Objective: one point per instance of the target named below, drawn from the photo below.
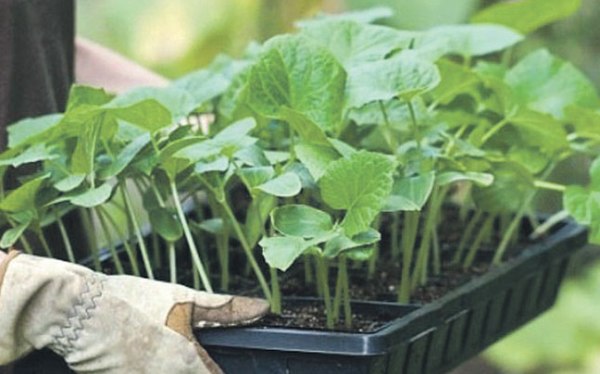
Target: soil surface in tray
(383, 285)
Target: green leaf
(125, 157)
(23, 198)
(362, 16)
(410, 193)
(70, 182)
(255, 176)
(301, 220)
(306, 129)
(586, 121)
(316, 157)
(456, 79)
(212, 225)
(10, 236)
(527, 15)
(360, 254)
(481, 179)
(166, 223)
(342, 243)
(512, 184)
(547, 84)
(231, 139)
(469, 40)
(541, 130)
(176, 100)
(297, 74)
(582, 204)
(203, 85)
(149, 115)
(360, 185)
(286, 185)
(93, 197)
(81, 95)
(354, 43)
(21, 132)
(35, 153)
(404, 75)
(220, 163)
(280, 252)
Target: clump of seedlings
(338, 138)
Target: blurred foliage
(177, 36)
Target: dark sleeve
(36, 58)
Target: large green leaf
(456, 79)
(231, 139)
(80, 95)
(176, 100)
(354, 43)
(149, 114)
(203, 85)
(360, 185)
(342, 243)
(255, 176)
(301, 220)
(285, 185)
(481, 179)
(125, 157)
(404, 75)
(527, 15)
(166, 223)
(316, 157)
(541, 130)
(468, 40)
(24, 197)
(298, 74)
(93, 197)
(513, 183)
(35, 153)
(10, 236)
(547, 84)
(410, 193)
(281, 251)
(22, 131)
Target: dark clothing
(36, 58)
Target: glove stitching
(81, 311)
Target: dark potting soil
(382, 286)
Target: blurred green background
(174, 37)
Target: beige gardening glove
(109, 324)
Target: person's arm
(96, 65)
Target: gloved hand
(109, 324)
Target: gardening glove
(109, 324)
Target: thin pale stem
(323, 274)
(65, 237)
(275, 292)
(130, 253)
(466, 236)
(479, 239)
(172, 261)
(110, 243)
(138, 232)
(190, 240)
(409, 236)
(548, 224)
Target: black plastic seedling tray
(433, 338)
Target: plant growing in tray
(342, 149)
